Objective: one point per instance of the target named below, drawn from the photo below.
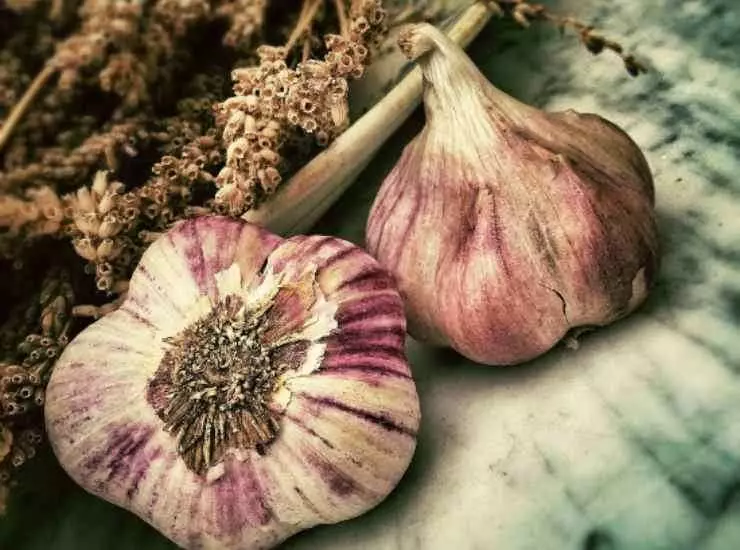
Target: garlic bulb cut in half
(248, 388)
(507, 227)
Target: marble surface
(632, 441)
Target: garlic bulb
(249, 387)
(506, 226)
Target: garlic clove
(248, 388)
(505, 226)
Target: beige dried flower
(96, 222)
(22, 381)
(130, 42)
(106, 24)
(24, 443)
(6, 442)
(25, 374)
(39, 213)
(179, 16)
(22, 5)
(245, 18)
(272, 102)
(67, 169)
(109, 226)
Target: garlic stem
(314, 188)
(453, 87)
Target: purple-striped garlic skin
(313, 419)
(505, 226)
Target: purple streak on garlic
(506, 226)
(248, 388)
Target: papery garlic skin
(346, 410)
(506, 226)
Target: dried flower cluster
(126, 45)
(271, 100)
(245, 18)
(25, 371)
(40, 213)
(22, 5)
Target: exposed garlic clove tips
(248, 387)
(506, 227)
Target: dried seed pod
(248, 387)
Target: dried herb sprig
(524, 13)
(245, 19)
(273, 101)
(25, 372)
(168, 195)
(124, 48)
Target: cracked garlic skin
(507, 227)
(248, 388)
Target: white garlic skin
(506, 226)
(347, 426)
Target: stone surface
(631, 442)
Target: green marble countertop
(632, 441)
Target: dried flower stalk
(271, 100)
(25, 102)
(524, 13)
(25, 373)
(245, 18)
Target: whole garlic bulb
(249, 387)
(506, 226)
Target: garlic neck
(458, 99)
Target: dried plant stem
(314, 188)
(306, 17)
(342, 17)
(524, 12)
(56, 10)
(306, 54)
(20, 108)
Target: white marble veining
(631, 442)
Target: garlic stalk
(248, 387)
(313, 189)
(507, 227)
